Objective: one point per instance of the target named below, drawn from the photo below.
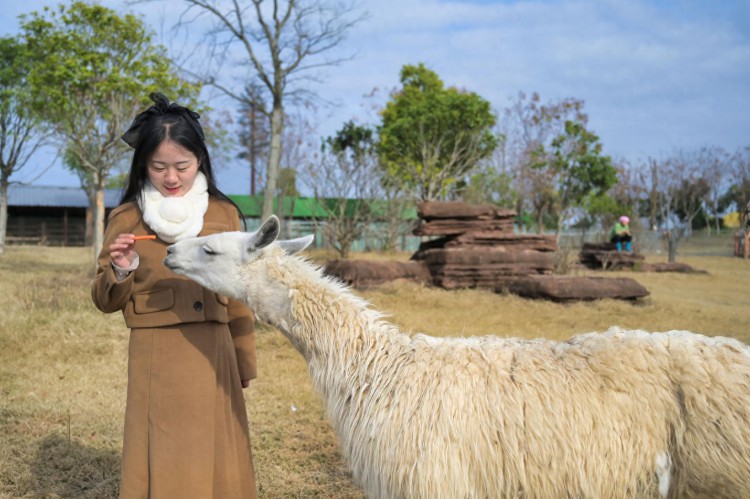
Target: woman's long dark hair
(161, 122)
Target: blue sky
(655, 75)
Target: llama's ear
(293, 246)
(267, 234)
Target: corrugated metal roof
(62, 197)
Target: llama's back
(590, 417)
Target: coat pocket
(153, 301)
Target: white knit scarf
(175, 218)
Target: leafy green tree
(20, 133)
(431, 137)
(91, 71)
(581, 172)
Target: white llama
(611, 415)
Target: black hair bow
(161, 106)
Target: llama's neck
(333, 329)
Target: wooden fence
(62, 230)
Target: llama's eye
(209, 251)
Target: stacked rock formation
(476, 246)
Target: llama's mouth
(171, 266)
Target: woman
(191, 351)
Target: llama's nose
(169, 250)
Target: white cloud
(655, 75)
(652, 80)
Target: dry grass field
(63, 365)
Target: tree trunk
(290, 217)
(558, 231)
(540, 219)
(672, 246)
(89, 234)
(274, 158)
(3, 213)
(653, 197)
(251, 151)
(519, 211)
(97, 209)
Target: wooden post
(742, 244)
(736, 244)
(65, 227)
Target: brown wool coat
(186, 431)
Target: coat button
(197, 306)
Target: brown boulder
(570, 288)
(670, 267)
(361, 274)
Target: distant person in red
(621, 234)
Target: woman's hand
(122, 251)
(245, 383)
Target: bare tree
(394, 204)
(738, 192)
(527, 125)
(296, 150)
(20, 133)
(347, 185)
(693, 188)
(682, 191)
(254, 133)
(672, 229)
(283, 42)
(648, 177)
(715, 165)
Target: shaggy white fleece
(603, 415)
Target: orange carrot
(140, 238)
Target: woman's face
(172, 169)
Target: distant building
(53, 216)
(56, 216)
